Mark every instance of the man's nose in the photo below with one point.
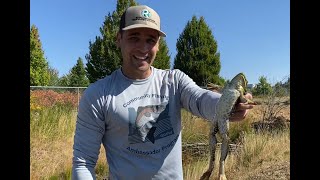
(143, 46)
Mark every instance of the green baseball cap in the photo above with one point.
(140, 16)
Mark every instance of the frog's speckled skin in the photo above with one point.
(234, 91)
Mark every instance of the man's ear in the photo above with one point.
(118, 39)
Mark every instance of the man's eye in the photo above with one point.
(133, 39)
(152, 41)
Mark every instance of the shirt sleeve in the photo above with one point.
(90, 127)
(200, 102)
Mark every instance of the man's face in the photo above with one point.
(138, 48)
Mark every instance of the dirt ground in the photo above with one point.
(271, 171)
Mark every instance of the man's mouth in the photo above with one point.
(141, 57)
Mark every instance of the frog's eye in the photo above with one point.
(147, 114)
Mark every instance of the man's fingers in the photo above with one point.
(248, 96)
(244, 106)
(241, 109)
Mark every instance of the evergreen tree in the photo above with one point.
(54, 76)
(77, 77)
(104, 57)
(263, 87)
(162, 60)
(197, 53)
(39, 74)
(65, 80)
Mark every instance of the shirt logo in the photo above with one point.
(145, 13)
(149, 123)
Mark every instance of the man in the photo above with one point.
(135, 111)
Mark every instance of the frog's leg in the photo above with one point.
(224, 149)
(212, 149)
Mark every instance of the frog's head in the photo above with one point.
(239, 82)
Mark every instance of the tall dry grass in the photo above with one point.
(259, 149)
(52, 130)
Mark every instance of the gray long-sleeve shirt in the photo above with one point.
(139, 124)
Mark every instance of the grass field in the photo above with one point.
(51, 133)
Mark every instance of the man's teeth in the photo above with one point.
(141, 57)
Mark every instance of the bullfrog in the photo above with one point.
(232, 93)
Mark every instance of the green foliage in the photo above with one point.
(53, 76)
(39, 74)
(162, 60)
(102, 170)
(282, 88)
(64, 80)
(286, 85)
(262, 88)
(104, 57)
(197, 53)
(279, 89)
(78, 75)
(62, 175)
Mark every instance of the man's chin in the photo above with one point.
(144, 66)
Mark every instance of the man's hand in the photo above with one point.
(241, 110)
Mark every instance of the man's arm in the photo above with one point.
(90, 127)
(198, 101)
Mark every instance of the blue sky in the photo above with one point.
(253, 36)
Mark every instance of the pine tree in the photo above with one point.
(77, 76)
(54, 76)
(65, 80)
(197, 53)
(162, 60)
(263, 87)
(39, 72)
(104, 57)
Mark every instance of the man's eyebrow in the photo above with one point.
(153, 37)
(134, 34)
(137, 34)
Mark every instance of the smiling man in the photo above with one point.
(135, 112)
(138, 48)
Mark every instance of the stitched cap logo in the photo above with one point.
(145, 13)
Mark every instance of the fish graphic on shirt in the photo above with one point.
(147, 117)
(149, 123)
